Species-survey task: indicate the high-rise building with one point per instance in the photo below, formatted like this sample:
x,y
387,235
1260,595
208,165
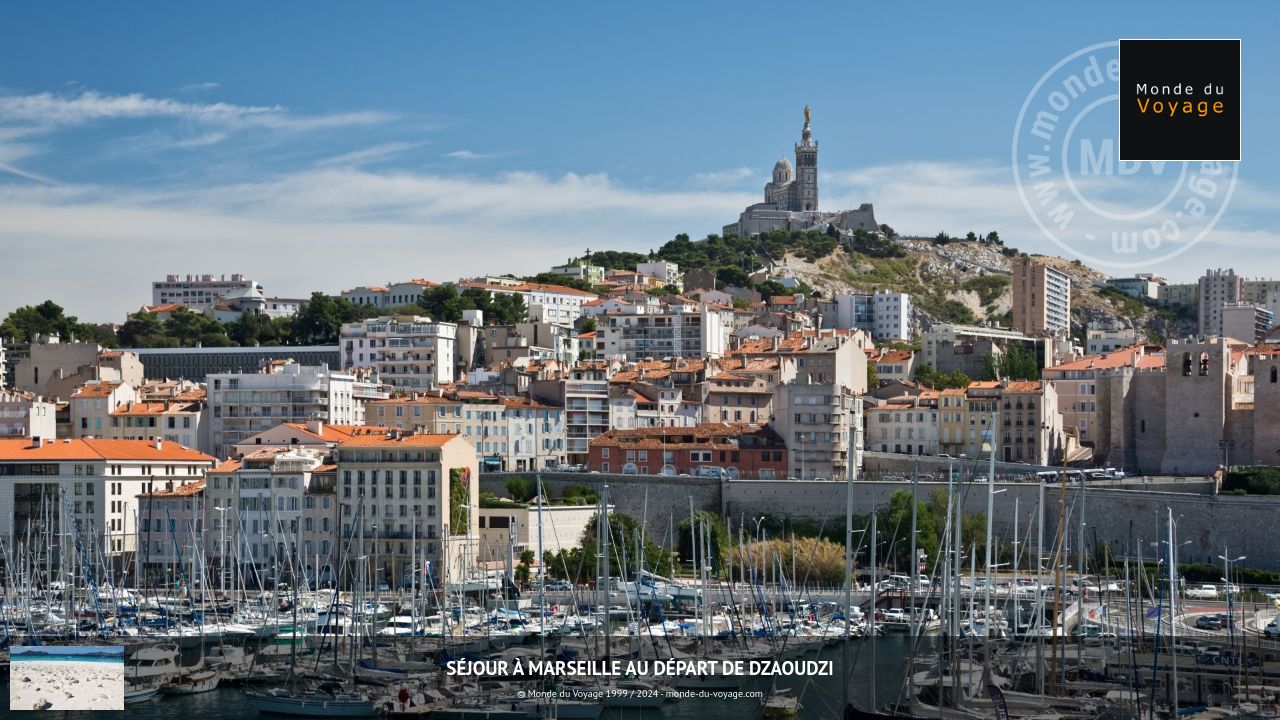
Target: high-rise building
x,y
244,404
1041,298
198,292
406,351
1216,289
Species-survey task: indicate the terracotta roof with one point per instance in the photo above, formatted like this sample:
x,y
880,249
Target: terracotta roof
x,y
166,307
1124,357
397,440
324,468
529,287
226,466
153,408
98,449
782,300
420,281
1023,386
894,356
340,433
984,385
95,390
183,490
703,435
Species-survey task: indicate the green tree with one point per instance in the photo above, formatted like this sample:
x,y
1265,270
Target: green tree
x,y
521,488
926,375
873,377
459,500
894,526
189,328
1015,363
320,321
47,318
719,539
141,330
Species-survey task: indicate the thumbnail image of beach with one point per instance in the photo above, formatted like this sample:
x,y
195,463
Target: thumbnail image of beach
x,y
53,677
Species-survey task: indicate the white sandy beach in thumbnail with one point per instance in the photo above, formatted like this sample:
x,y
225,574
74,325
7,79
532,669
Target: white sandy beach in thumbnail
x,y
66,685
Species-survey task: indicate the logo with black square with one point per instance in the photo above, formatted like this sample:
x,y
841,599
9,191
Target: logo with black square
x,y
1180,100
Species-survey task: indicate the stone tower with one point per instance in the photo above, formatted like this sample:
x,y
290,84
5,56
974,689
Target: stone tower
x,y
805,188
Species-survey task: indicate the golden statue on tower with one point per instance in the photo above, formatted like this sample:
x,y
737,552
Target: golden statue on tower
x,y
806,114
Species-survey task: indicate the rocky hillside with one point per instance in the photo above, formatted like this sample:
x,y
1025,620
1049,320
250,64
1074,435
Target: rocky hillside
x,y
968,282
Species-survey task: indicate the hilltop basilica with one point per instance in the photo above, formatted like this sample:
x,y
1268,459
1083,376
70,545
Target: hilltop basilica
x,y
791,198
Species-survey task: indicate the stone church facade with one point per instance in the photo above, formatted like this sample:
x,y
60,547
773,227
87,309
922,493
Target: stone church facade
x,y
791,198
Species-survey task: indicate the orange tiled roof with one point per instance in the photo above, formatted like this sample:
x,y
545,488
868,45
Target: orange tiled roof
x,y
98,449
894,356
1124,357
153,408
166,307
397,440
340,433
183,490
95,390
227,466
1023,386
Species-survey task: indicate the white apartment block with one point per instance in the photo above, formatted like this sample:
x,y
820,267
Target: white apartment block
x,y
391,295
255,510
691,330
405,351
24,414
1101,338
508,433
395,487
903,425
198,292
891,313
667,272
92,482
245,404
816,420
507,532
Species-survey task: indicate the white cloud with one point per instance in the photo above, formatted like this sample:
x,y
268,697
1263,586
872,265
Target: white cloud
x,y
198,87
365,156
732,179
50,110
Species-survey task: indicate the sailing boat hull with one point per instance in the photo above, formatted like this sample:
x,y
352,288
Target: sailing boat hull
x,y
311,706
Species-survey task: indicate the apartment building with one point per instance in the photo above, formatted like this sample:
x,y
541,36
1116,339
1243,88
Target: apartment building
x,y
393,487
55,369
508,433
732,450
819,356
1030,427
405,351
198,292
817,422
1245,321
1041,298
24,414
1076,385
171,532
242,405
255,514
690,330
907,424
51,486
1215,290
493,346
584,394
391,295
737,398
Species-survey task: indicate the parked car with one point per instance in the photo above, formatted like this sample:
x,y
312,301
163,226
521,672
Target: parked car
x,y
1204,592
559,585
1272,630
895,615
1208,622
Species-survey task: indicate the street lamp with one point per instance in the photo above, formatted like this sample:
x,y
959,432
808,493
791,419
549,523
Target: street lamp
x,y
1226,579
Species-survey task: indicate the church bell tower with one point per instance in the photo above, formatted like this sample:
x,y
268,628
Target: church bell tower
x,y
806,183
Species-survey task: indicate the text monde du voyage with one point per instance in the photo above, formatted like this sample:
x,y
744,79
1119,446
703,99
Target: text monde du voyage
x,y
1180,99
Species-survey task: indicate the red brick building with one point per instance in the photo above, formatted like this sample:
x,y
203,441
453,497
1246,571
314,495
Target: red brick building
x,y
743,450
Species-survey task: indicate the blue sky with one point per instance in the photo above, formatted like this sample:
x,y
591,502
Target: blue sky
x,y
323,146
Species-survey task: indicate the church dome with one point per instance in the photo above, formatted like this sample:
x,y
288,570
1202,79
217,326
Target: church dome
x,y
782,171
